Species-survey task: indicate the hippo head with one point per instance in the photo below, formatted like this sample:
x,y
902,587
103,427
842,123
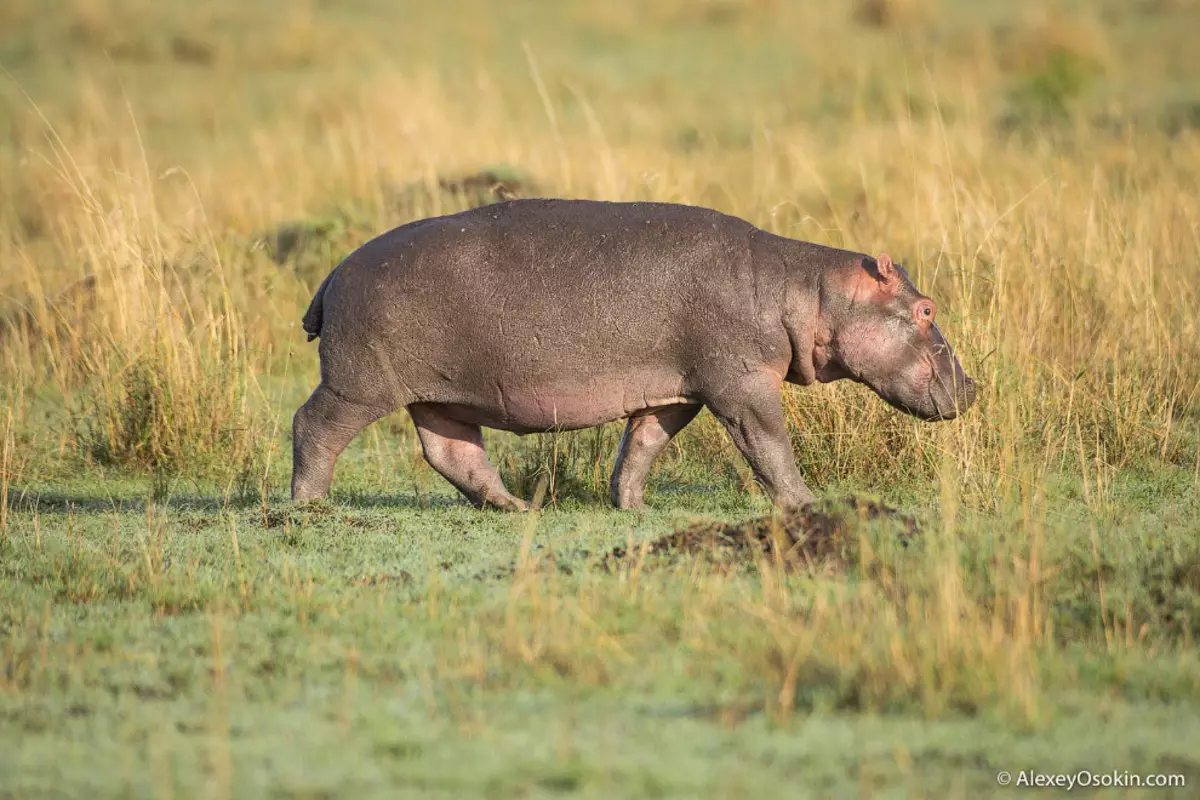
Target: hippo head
x,y
882,332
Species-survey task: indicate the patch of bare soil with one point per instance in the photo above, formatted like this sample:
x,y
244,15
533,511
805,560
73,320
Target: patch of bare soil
x,y
823,534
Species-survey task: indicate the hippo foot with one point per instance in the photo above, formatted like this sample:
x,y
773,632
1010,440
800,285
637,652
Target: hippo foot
x,y
509,503
798,500
626,499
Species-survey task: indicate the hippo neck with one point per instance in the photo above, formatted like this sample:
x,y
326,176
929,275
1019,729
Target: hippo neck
x,y
810,271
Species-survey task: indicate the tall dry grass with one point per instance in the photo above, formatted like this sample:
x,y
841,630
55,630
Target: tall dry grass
x,y
145,346
1065,265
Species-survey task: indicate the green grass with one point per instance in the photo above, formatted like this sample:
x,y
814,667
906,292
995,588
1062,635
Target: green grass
x,y
370,645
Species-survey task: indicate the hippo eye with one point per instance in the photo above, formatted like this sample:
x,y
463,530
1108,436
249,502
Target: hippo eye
x,y
924,311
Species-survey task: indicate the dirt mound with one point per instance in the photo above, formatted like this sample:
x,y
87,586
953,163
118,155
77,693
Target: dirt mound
x,y
822,534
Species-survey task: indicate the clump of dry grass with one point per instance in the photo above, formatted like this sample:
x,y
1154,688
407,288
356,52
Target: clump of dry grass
x,y
570,465
172,408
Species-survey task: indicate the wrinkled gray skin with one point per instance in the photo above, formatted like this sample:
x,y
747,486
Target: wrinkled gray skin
x,y
535,315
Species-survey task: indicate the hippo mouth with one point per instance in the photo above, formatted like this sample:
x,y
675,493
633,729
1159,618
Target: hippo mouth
x,y
923,414
958,402
934,410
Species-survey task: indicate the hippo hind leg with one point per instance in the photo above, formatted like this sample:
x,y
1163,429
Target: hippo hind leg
x,y
646,435
321,429
455,450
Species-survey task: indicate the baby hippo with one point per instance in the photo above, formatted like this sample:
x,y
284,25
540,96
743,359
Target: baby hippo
x,y
540,315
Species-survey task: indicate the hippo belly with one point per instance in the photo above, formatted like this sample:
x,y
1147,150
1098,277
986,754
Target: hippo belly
x,y
568,404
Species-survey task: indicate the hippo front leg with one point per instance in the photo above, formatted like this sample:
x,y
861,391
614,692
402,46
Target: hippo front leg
x,y
646,435
752,414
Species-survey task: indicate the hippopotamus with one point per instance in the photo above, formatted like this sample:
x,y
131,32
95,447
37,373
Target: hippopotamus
x,y
538,315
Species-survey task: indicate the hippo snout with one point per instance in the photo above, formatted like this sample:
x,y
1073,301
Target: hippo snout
x,y
955,404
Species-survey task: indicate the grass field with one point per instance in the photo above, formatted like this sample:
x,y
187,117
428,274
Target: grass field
x,y
176,179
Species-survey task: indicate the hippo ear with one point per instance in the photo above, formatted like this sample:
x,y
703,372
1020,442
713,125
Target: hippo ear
x,y
887,270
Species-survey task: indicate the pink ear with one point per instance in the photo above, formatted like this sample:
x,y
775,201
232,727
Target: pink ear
x,y
887,269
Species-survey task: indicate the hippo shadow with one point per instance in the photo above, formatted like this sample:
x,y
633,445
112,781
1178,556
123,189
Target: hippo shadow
x,y
63,503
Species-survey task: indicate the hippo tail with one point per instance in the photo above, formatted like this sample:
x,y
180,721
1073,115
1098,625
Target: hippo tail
x,y
315,316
